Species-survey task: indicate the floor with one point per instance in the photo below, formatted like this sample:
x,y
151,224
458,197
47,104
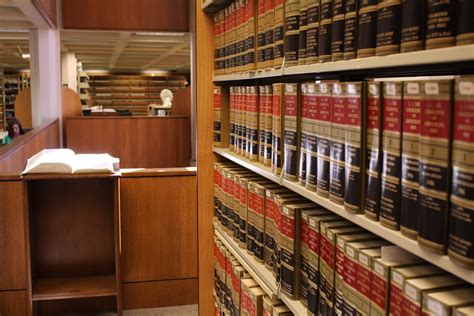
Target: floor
x,y
185,310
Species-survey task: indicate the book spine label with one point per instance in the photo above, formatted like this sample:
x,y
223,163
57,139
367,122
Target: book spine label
x,y
364,282
440,23
461,241
379,292
391,168
278,33
303,27
435,143
277,122
324,34
291,132
312,32
350,282
353,141
337,158
410,158
259,221
337,30
288,252
261,34
388,27
252,138
465,25
412,31
367,31
374,119
302,174
292,23
217,117
269,23
311,138
327,270
324,132
350,25
411,301
232,119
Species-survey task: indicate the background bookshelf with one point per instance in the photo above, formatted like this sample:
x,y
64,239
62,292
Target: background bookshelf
x,y
11,85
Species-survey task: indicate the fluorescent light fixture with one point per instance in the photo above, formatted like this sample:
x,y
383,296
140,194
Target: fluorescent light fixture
x,y
161,33
26,56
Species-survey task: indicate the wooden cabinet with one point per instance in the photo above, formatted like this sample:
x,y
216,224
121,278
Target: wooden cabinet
x,y
14,303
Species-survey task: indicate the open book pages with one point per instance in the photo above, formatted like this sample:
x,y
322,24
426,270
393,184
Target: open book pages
x,y
63,160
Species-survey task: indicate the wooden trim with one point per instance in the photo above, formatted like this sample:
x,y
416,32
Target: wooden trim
x,y
151,172
48,10
126,117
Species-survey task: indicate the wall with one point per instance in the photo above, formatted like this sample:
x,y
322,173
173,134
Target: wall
x,y
69,70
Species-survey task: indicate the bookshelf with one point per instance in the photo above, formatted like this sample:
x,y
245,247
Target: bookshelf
x,y
11,85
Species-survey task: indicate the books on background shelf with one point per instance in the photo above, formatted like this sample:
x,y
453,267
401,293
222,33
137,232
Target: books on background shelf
x,y
65,161
257,35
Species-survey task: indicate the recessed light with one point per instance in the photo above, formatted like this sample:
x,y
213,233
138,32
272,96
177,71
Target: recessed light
x,y
26,56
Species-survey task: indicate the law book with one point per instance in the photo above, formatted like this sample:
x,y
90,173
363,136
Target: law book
x,y
355,137
217,117
268,305
463,310
374,150
216,42
461,217
272,198
337,147
303,27
391,155
238,195
311,129
446,302
341,242
327,265
398,278
314,245
244,103
238,273
412,97
279,34
324,32
219,271
221,198
269,38
303,134
440,24
380,289
228,281
226,40
337,30
265,125
415,289
252,126
251,41
231,38
364,277
66,161
261,34
367,28
282,310
291,132
292,24
389,15
324,97
465,23
228,206
290,241
350,29
357,276
239,4
435,164
232,117
278,120
221,117
237,119
413,25
312,30
247,306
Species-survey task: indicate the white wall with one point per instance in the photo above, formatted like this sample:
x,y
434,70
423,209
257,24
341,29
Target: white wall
x,y
69,70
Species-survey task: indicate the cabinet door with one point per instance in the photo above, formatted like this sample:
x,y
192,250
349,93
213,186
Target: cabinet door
x,y
13,272
14,303
159,228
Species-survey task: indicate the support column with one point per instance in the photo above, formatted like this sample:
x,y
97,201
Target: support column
x,y
69,70
45,63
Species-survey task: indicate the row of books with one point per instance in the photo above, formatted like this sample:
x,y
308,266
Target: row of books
x,y
401,152
259,34
331,265
236,293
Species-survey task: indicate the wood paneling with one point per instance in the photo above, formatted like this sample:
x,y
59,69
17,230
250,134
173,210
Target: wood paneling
x,y
48,10
159,228
23,108
13,271
88,306
165,172
14,303
204,56
130,15
182,102
162,293
139,142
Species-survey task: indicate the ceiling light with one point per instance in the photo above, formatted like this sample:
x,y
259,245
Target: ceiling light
x,y
161,33
26,56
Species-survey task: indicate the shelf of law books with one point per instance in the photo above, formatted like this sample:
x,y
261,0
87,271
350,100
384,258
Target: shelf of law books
x,y
267,38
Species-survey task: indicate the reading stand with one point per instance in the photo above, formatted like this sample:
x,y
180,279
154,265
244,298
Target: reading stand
x,y
74,243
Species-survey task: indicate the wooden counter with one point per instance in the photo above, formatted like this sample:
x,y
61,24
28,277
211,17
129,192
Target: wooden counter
x,y
145,142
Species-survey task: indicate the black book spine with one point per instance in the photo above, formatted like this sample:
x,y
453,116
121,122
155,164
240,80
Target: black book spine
x,y
279,33
303,32
389,14
367,31
324,133
435,173
410,159
324,35
461,219
292,24
391,161
312,32
337,30
413,25
312,139
440,23
350,29
290,165
374,151
302,174
465,29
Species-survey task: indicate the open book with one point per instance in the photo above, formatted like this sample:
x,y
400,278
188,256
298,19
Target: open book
x,y
66,161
